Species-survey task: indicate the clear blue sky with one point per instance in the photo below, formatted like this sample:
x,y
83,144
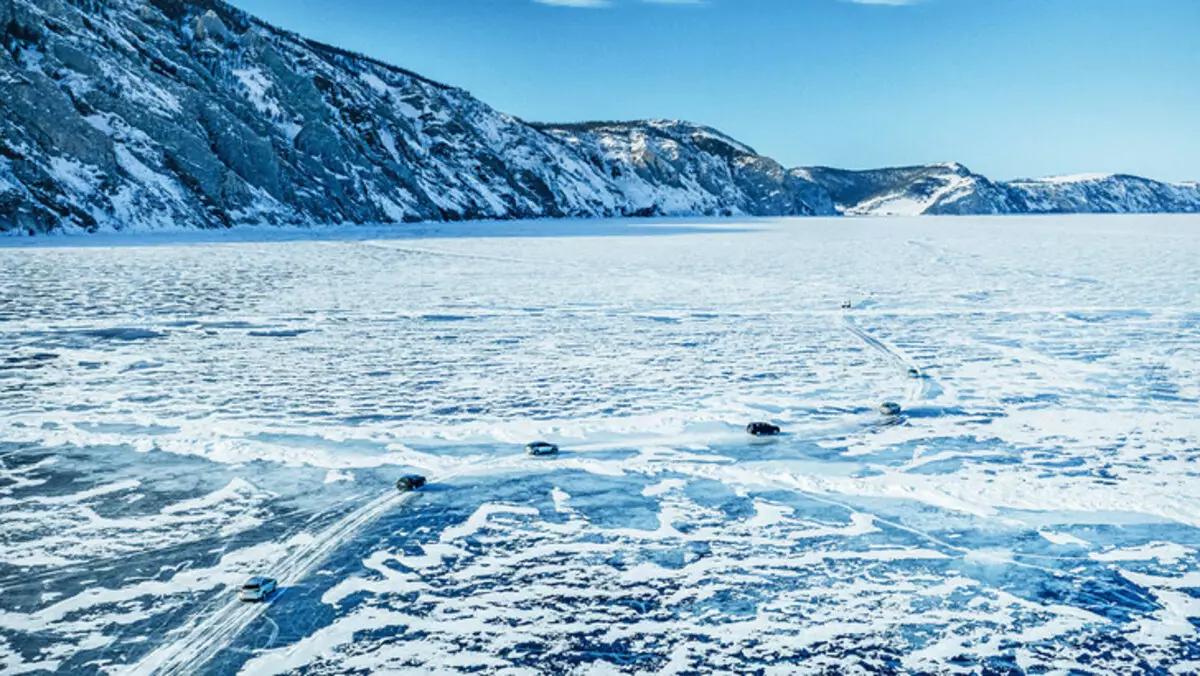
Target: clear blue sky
x,y
1011,88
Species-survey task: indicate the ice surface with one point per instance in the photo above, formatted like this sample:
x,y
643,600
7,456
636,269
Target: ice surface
x,y
181,411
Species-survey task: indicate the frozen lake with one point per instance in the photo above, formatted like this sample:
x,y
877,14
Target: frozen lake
x,y
178,412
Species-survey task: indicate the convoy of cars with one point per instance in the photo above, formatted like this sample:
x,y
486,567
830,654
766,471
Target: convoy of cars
x,y
259,589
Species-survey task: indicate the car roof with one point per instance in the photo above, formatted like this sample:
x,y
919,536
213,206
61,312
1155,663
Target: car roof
x,y
258,580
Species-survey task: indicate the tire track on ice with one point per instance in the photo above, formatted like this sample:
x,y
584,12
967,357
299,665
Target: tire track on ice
x,y
441,253
920,388
17,581
200,645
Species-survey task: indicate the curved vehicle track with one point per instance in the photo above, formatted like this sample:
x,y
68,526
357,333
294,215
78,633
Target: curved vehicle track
x,y
202,641
920,389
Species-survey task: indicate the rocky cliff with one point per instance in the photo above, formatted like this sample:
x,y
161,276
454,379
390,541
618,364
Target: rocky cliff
x,y
132,113
129,114
1106,193
952,189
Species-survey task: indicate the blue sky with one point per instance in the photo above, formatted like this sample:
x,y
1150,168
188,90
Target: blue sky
x,y
1011,88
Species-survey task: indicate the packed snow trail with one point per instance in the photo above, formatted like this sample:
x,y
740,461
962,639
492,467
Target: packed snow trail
x,y
93,566
202,643
425,251
920,388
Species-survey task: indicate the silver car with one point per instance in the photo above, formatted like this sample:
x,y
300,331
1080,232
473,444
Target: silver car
x,y
540,448
258,589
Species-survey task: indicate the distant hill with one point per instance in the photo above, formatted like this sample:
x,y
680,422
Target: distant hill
x,y
941,189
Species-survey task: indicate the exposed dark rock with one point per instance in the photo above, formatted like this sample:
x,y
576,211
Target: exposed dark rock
x,y
126,113
952,189
147,113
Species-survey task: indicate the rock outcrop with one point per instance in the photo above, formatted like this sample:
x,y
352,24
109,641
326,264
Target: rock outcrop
x,y
131,114
952,189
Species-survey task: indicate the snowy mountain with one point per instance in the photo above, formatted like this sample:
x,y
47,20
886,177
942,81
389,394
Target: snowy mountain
x,y
1100,193
127,113
679,168
952,189
191,113
911,191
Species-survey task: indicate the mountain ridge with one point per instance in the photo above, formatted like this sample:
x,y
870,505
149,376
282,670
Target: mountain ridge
x,y
132,114
950,188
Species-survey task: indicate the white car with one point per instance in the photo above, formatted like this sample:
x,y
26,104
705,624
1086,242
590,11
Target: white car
x,y
540,448
890,409
258,589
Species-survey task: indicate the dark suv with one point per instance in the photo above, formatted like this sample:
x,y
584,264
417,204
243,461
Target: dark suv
x,y
410,482
762,429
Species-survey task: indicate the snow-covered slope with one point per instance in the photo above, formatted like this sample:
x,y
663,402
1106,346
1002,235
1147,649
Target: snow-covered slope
x,y
671,167
190,112
1107,193
953,189
911,191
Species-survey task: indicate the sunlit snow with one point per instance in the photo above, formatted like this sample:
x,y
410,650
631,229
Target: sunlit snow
x,y
181,411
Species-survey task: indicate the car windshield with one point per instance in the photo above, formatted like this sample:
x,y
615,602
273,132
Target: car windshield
x,y
250,585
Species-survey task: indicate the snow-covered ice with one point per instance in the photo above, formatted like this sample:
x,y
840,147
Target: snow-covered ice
x,y
181,410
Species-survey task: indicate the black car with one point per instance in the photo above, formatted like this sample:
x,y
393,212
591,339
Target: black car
x,y
541,448
410,482
762,429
